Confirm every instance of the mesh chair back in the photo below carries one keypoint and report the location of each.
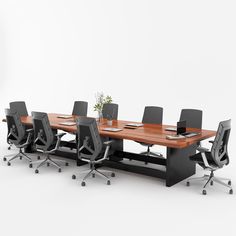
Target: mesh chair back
(110, 111)
(44, 136)
(193, 118)
(20, 107)
(80, 108)
(152, 115)
(219, 150)
(16, 130)
(88, 134)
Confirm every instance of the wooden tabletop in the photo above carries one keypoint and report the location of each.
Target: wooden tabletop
(151, 134)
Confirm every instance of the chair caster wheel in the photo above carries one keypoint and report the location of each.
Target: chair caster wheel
(108, 182)
(20, 157)
(211, 182)
(48, 164)
(38, 157)
(8, 163)
(67, 164)
(73, 176)
(204, 192)
(59, 170)
(187, 184)
(231, 191)
(4, 159)
(229, 183)
(93, 175)
(113, 174)
(9, 148)
(36, 171)
(30, 165)
(83, 184)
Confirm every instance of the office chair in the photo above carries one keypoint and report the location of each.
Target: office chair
(80, 108)
(110, 111)
(214, 159)
(193, 118)
(91, 148)
(44, 139)
(21, 109)
(17, 135)
(151, 115)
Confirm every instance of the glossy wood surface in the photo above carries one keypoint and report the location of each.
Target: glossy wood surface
(151, 134)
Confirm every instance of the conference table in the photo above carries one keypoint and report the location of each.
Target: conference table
(177, 165)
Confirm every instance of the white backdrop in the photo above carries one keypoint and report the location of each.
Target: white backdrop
(175, 54)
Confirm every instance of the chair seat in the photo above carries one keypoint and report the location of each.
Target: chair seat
(198, 158)
(145, 144)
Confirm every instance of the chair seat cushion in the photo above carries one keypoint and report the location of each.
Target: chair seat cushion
(198, 158)
(145, 144)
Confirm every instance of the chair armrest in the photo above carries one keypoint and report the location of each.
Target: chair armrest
(29, 130)
(202, 149)
(108, 143)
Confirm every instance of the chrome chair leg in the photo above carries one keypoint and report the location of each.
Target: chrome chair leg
(101, 174)
(87, 175)
(222, 183)
(53, 163)
(14, 157)
(42, 163)
(26, 157)
(224, 179)
(208, 181)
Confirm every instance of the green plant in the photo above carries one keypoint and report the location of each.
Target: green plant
(101, 99)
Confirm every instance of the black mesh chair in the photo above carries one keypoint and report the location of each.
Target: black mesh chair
(17, 135)
(193, 118)
(110, 111)
(80, 108)
(214, 159)
(152, 115)
(91, 149)
(21, 109)
(46, 141)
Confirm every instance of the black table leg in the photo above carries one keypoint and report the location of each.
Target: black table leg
(178, 165)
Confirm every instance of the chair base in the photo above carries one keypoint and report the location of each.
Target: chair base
(47, 161)
(149, 153)
(93, 172)
(19, 155)
(210, 179)
(152, 154)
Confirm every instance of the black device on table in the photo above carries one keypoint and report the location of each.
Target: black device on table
(181, 129)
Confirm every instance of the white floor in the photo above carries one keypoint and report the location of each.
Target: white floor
(53, 203)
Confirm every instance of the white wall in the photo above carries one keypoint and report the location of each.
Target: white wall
(175, 54)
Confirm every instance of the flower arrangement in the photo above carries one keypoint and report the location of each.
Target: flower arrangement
(101, 99)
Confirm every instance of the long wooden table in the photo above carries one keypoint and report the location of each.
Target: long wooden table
(177, 164)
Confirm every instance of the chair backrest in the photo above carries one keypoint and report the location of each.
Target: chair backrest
(193, 118)
(16, 130)
(219, 150)
(20, 107)
(152, 115)
(80, 108)
(43, 135)
(110, 111)
(89, 136)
